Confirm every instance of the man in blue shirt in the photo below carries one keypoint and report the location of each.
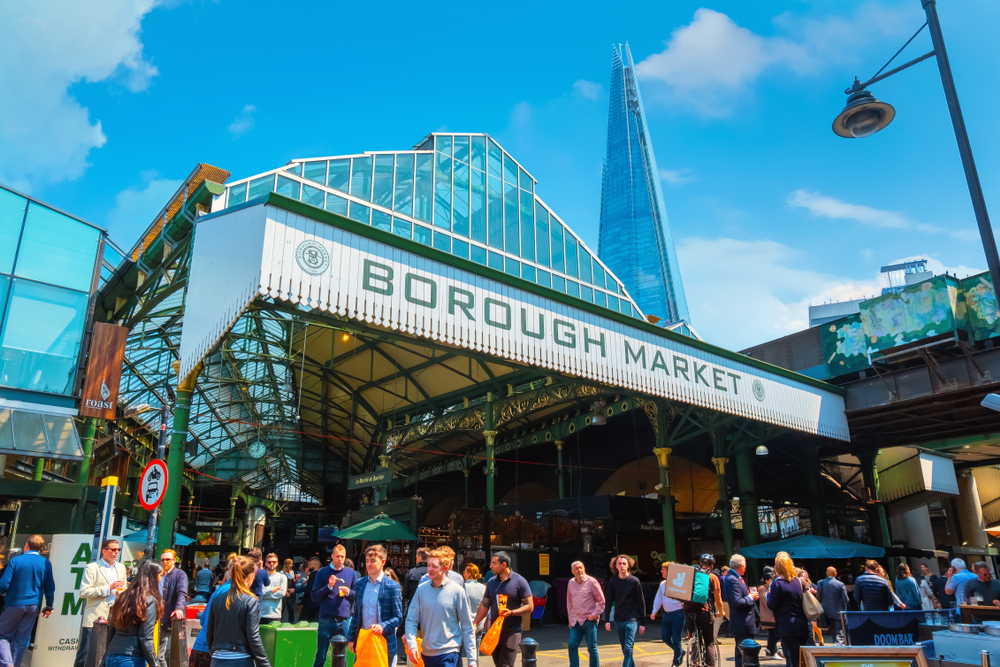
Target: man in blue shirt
(24, 580)
(958, 576)
(333, 589)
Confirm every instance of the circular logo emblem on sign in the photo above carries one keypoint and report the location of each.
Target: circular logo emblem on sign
(312, 257)
(153, 484)
(758, 390)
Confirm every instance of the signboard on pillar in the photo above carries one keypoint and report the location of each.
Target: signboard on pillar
(363, 481)
(104, 371)
(57, 636)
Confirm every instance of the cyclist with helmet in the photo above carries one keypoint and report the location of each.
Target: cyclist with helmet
(703, 615)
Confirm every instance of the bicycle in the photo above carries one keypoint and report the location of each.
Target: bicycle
(696, 652)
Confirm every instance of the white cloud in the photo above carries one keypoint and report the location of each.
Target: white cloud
(709, 63)
(243, 122)
(822, 206)
(970, 234)
(46, 46)
(677, 176)
(136, 207)
(588, 89)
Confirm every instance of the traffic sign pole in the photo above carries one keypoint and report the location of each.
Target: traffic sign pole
(161, 449)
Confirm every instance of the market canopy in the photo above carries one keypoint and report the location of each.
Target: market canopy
(813, 546)
(142, 536)
(379, 528)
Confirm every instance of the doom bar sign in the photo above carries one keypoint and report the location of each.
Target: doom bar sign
(104, 371)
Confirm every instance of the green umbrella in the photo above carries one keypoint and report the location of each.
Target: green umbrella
(379, 528)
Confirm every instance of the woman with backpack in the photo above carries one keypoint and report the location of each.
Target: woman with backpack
(133, 617)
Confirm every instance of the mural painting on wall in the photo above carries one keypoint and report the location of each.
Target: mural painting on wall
(981, 306)
(845, 346)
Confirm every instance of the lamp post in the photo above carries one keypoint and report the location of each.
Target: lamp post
(864, 116)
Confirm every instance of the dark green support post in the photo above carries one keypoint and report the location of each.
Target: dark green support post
(876, 515)
(87, 443)
(666, 503)
(817, 501)
(490, 469)
(465, 476)
(748, 496)
(171, 506)
(725, 507)
(559, 469)
(39, 468)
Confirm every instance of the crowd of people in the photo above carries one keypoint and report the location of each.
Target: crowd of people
(449, 612)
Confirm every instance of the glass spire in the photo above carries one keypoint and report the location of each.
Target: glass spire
(635, 241)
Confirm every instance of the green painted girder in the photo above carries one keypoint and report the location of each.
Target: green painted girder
(986, 439)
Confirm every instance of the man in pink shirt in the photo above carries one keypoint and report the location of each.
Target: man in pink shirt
(584, 606)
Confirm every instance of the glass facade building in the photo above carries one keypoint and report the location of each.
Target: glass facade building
(459, 193)
(635, 241)
(48, 271)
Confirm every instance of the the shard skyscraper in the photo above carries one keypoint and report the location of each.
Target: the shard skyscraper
(635, 241)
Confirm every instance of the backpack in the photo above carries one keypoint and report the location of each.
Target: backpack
(699, 593)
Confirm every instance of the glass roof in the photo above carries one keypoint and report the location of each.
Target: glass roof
(459, 193)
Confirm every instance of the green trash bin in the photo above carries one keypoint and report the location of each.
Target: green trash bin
(288, 645)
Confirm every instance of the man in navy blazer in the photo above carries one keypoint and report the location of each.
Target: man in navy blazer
(741, 602)
(833, 595)
(378, 603)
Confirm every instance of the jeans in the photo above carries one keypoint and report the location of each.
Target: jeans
(671, 626)
(328, 628)
(15, 629)
(626, 637)
(578, 632)
(124, 661)
(791, 645)
(705, 624)
(82, 647)
(233, 662)
(442, 660)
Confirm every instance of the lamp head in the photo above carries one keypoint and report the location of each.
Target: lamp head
(762, 450)
(863, 116)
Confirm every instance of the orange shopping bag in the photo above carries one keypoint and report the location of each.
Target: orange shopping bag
(419, 662)
(491, 638)
(370, 650)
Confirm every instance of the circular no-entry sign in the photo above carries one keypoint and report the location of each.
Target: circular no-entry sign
(153, 484)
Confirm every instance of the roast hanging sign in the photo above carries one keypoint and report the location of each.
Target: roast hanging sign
(104, 371)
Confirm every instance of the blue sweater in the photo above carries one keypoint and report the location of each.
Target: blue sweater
(331, 605)
(25, 578)
(201, 641)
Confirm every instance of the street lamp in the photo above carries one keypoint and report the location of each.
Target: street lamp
(864, 116)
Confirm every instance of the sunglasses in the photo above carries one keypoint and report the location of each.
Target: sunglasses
(110, 549)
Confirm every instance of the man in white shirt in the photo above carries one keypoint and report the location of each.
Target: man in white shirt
(274, 593)
(102, 581)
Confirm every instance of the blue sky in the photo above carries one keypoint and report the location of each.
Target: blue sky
(108, 105)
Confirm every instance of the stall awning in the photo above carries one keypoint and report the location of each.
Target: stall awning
(911, 477)
(38, 432)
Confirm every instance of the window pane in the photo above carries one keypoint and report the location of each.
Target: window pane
(11, 218)
(422, 234)
(496, 261)
(557, 245)
(478, 254)
(543, 278)
(424, 189)
(571, 264)
(381, 220)
(528, 272)
(315, 171)
(261, 186)
(462, 149)
(442, 191)
(587, 293)
(237, 195)
(460, 248)
(527, 226)
(313, 196)
(404, 185)
(361, 178)
(359, 212)
(340, 175)
(511, 242)
(598, 274)
(295, 169)
(586, 261)
(460, 210)
(541, 235)
(382, 185)
(402, 228)
(4, 284)
(512, 266)
(41, 337)
(56, 249)
(336, 204)
(495, 205)
(526, 182)
(479, 153)
(442, 242)
(477, 205)
(509, 170)
(287, 187)
(495, 161)
(573, 288)
(601, 299)
(443, 144)
(559, 284)
(613, 303)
